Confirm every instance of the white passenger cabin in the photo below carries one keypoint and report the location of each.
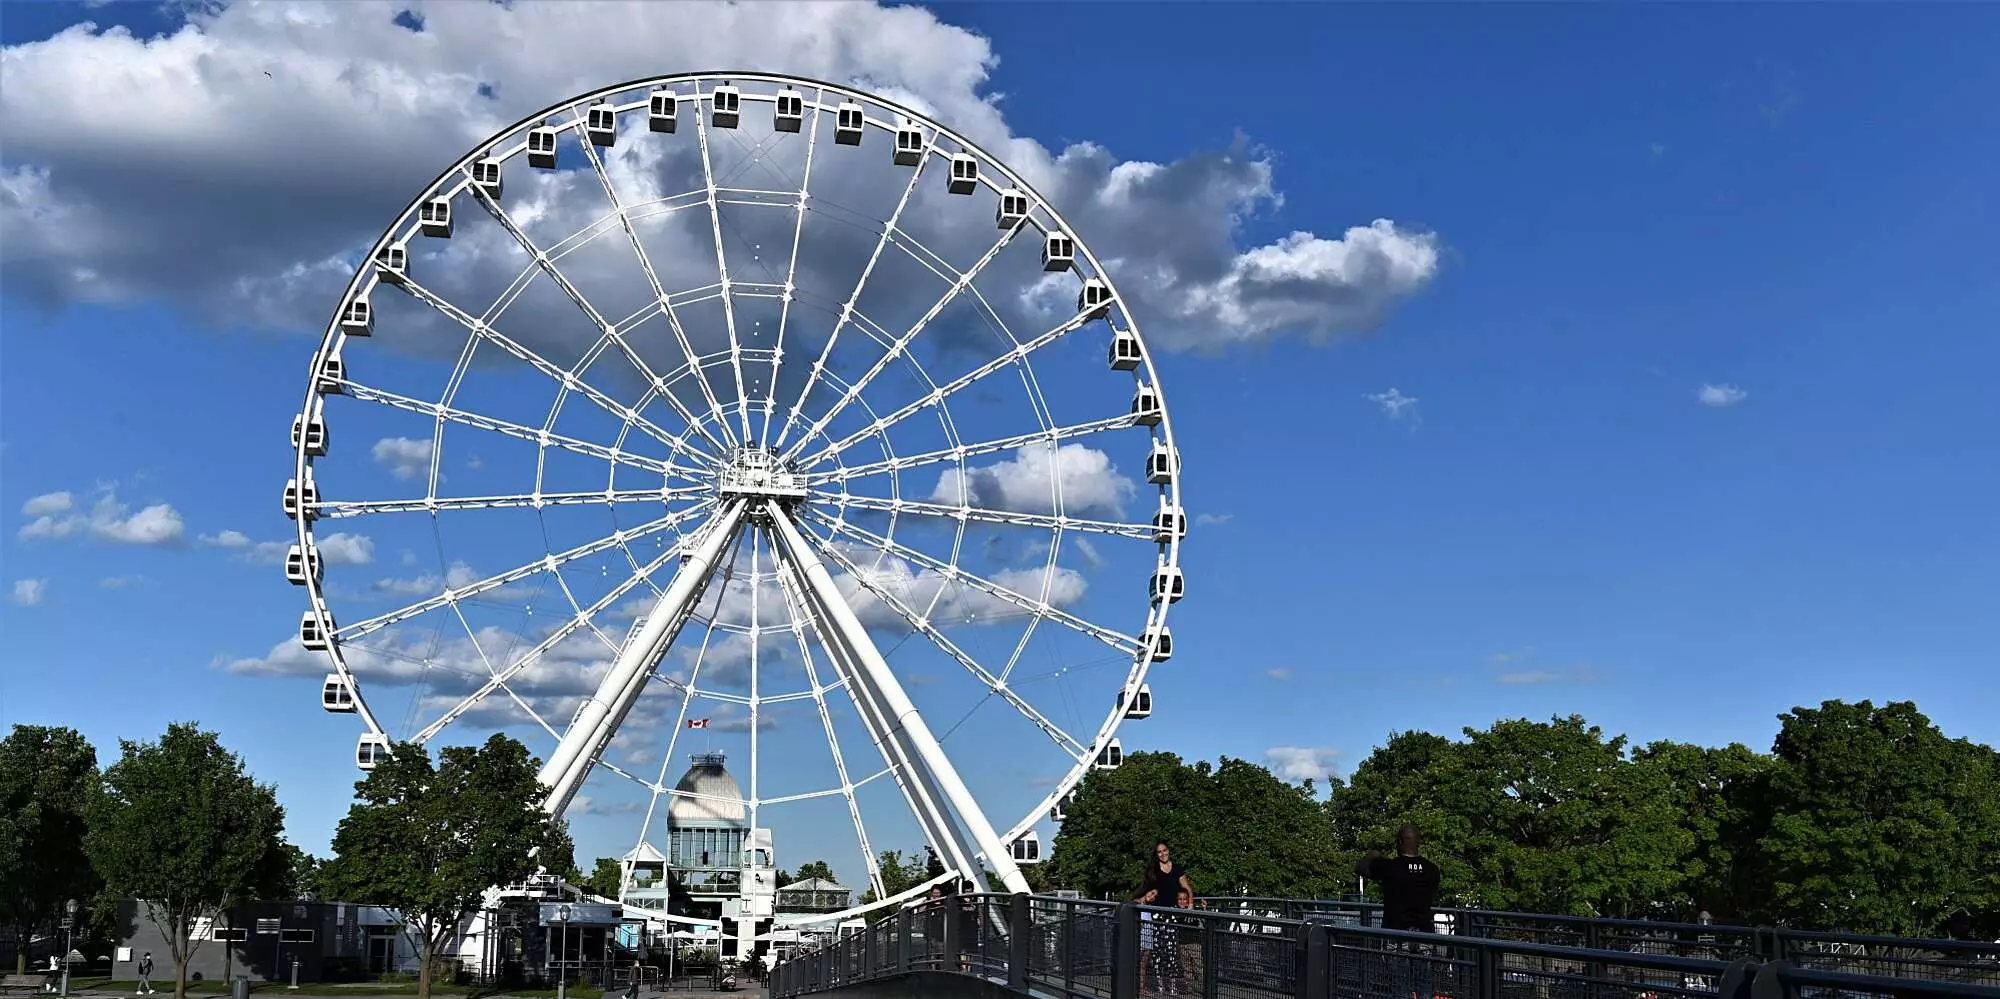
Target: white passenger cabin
(726, 106)
(309, 431)
(1159, 643)
(789, 113)
(302, 564)
(1027, 849)
(332, 372)
(848, 122)
(312, 635)
(1111, 757)
(1012, 209)
(663, 110)
(909, 144)
(542, 147)
(434, 218)
(392, 262)
(1125, 351)
(1170, 523)
(370, 750)
(1169, 584)
(600, 124)
(1146, 406)
(358, 319)
(964, 174)
(1162, 464)
(1141, 704)
(336, 695)
(1094, 298)
(301, 502)
(1058, 251)
(486, 176)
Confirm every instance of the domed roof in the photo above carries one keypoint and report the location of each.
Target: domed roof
(721, 801)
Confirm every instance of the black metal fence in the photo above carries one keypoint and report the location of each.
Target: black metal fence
(1082, 949)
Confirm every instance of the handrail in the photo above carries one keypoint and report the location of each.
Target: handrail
(1076, 948)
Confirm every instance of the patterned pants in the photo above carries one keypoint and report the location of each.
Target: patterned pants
(1166, 958)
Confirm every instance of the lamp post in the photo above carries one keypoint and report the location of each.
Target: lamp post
(68, 928)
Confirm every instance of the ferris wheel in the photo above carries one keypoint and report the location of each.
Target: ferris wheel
(748, 408)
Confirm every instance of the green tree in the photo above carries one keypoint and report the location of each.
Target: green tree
(47, 778)
(1879, 823)
(899, 874)
(605, 878)
(1720, 797)
(181, 826)
(1234, 826)
(815, 869)
(428, 840)
(301, 877)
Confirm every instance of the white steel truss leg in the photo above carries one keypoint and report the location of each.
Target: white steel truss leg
(931, 762)
(601, 715)
(923, 796)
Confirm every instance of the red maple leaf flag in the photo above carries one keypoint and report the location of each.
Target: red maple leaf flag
(697, 723)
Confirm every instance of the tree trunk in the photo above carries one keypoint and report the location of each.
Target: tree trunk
(424, 963)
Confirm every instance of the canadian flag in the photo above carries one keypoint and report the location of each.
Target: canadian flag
(697, 723)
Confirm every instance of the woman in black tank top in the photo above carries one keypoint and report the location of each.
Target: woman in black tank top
(1164, 884)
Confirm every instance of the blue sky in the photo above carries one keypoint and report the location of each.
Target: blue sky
(1785, 204)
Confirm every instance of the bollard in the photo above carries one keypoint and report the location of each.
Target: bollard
(294, 987)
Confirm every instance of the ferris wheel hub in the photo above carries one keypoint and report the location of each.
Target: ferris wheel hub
(757, 472)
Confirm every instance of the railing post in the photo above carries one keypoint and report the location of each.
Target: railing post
(1487, 965)
(1125, 953)
(1020, 940)
(948, 961)
(868, 951)
(1769, 982)
(1312, 965)
(902, 941)
(1211, 983)
(1069, 949)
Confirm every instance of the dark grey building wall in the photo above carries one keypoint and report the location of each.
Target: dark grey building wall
(263, 957)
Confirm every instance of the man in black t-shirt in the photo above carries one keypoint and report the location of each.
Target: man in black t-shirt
(1409, 883)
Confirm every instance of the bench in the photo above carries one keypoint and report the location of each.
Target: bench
(30, 982)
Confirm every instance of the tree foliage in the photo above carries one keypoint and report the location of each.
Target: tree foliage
(47, 778)
(1862, 818)
(1236, 827)
(605, 878)
(179, 825)
(900, 873)
(428, 839)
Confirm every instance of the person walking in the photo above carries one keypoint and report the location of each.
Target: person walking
(146, 974)
(1409, 883)
(1163, 887)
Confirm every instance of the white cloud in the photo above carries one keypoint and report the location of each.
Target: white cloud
(1295, 763)
(119, 146)
(1394, 404)
(47, 504)
(1212, 519)
(404, 457)
(1027, 482)
(1584, 673)
(1720, 396)
(227, 539)
(120, 582)
(1278, 673)
(108, 519)
(334, 549)
(430, 584)
(29, 592)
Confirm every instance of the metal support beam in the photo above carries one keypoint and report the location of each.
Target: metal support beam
(601, 715)
(931, 762)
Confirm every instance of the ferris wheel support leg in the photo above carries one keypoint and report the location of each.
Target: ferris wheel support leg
(931, 763)
(601, 715)
(925, 800)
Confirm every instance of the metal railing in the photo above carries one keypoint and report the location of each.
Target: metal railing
(1083, 949)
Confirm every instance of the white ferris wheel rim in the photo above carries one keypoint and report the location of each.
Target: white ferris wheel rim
(821, 100)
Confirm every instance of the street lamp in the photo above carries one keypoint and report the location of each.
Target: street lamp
(68, 924)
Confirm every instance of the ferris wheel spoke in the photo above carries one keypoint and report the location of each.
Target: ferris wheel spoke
(788, 588)
(951, 573)
(959, 283)
(842, 500)
(480, 329)
(742, 400)
(792, 267)
(995, 684)
(945, 391)
(340, 509)
(523, 571)
(1051, 436)
(448, 414)
(663, 301)
(847, 310)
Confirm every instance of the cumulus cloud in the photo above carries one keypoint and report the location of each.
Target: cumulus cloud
(404, 457)
(1279, 673)
(334, 549)
(1295, 763)
(57, 516)
(29, 592)
(119, 146)
(227, 539)
(1720, 396)
(1028, 482)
